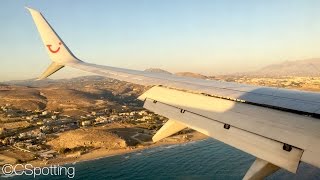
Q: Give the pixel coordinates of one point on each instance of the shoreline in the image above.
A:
(134, 150)
(103, 153)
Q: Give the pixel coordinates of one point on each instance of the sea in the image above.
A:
(205, 159)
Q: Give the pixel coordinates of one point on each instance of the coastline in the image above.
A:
(104, 153)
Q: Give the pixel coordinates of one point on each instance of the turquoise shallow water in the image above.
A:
(206, 159)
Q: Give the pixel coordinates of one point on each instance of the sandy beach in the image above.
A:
(102, 152)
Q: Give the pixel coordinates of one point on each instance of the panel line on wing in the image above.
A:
(255, 144)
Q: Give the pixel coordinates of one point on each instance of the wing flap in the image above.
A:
(299, 131)
(256, 145)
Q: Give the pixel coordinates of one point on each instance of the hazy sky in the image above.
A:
(208, 37)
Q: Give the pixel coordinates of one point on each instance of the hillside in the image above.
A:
(75, 96)
(192, 75)
(157, 70)
(22, 97)
(182, 74)
(97, 137)
(308, 67)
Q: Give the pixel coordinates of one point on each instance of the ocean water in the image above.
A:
(206, 159)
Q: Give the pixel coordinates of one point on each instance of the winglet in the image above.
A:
(58, 52)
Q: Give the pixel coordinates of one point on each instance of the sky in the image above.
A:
(209, 37)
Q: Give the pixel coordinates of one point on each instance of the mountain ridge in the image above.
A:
(306, 67)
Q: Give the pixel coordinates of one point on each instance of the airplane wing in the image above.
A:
(279, 127)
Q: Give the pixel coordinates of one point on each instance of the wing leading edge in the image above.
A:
(264, 122)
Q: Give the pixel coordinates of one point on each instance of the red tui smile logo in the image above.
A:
(53, 51)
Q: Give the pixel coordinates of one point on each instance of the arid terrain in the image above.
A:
(62, 121)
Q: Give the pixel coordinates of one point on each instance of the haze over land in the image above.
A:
(307, 67)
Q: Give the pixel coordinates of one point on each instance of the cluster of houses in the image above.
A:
(98, 118)
(33, 138)
(294, 82)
